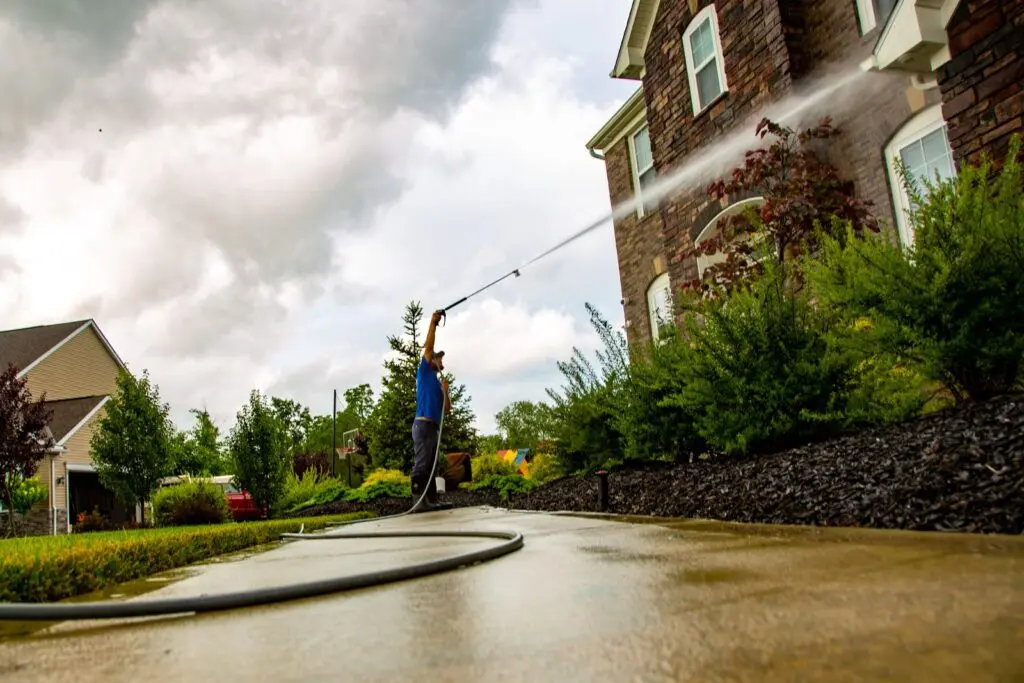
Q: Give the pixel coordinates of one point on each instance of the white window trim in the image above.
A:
(866, 13)
(660, 284)
(925, 122)
(704, 262)
(708, 12)
(636, 170)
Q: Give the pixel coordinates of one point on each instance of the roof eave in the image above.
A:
(613, 128)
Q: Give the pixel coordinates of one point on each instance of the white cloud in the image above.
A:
(270, 189)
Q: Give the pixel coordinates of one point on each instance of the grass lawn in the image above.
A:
(50, 568)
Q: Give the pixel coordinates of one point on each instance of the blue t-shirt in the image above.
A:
(429, 396)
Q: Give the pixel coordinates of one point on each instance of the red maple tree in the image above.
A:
(23, 439)
(800, 192)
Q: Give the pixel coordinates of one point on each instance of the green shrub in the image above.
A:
(51, 568)
(381, 483)
(29, 492)
(545, 468)
(505, 484)
(955, 299)
(764, 369)
(491, 464)
(312, 488)
(190, 503)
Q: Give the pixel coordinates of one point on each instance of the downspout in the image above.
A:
(53, 498)
(596, 154)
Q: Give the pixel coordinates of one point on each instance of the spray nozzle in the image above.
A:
(516, 271)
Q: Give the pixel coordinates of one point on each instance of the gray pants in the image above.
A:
(424, 440)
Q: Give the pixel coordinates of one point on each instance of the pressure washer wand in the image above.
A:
(444, 311)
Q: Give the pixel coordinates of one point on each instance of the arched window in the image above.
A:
(711, 230)
(705, 63)
(923, 146)
(659, 305)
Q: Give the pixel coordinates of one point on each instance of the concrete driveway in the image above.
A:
(587, 599)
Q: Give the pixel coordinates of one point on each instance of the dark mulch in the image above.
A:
(960, 469)
(392, 506)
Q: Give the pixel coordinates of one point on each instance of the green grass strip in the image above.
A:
(51, 568)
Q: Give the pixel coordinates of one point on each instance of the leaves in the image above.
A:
(132, 446)
(259, 451)
(23, 439)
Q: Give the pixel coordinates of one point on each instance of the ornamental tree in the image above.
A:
(801, 191)
(23, 437)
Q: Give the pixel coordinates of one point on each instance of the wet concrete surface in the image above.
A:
(587, 599)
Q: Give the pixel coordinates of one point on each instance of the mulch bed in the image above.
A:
(956, 470)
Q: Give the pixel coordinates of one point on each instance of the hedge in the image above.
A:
(51, 568)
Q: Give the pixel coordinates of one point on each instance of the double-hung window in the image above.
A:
(705, 64)
(644, 173)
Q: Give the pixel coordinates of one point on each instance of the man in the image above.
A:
(431, 399)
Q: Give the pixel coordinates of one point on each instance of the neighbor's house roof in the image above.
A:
(69, 415)
(29, 346)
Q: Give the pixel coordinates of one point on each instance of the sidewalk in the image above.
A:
(587, 599)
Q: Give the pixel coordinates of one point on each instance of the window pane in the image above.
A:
(937, 154)
(642, 145)
(913, 157)
(702, 44)
(708, 85)
(883, 8)
(646, 179)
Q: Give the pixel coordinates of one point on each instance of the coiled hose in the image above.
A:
(112, 609)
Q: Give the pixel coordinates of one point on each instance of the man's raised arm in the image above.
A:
(428, 348)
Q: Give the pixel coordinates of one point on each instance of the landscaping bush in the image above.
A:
(761, 369)
(954, 301)
(27, 493)
(312, 488)
(46, 569)
(190, 503)
(545, 468)
(490, 464)
(381, 483)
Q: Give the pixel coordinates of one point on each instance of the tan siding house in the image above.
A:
(73, 369)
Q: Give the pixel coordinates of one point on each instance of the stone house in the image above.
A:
(949, 85)
(74, 365)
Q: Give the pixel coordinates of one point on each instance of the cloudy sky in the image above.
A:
(245, 194)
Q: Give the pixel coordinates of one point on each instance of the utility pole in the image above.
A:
(334, 433)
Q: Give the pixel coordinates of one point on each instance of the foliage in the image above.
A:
(587, 416)
(381, 483)
(654, 426)
(29, 492)
(761, 369)
(199, 452)
(52, 568)
(132, 445)
(190, 503)
(490, 443)
(954, 301)
(295, 421)
(23, 440)
(801, 192)
(490, 464)
(388, 429)
(309, 489)
(504, 484)
(545, 468)
(322, 432)
(359, 402)
(320, 463)
(258, 448)
(525, 424)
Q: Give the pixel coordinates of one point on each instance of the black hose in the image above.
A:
(112, 609)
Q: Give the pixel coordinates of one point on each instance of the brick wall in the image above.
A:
(638, 242)
(983, 83)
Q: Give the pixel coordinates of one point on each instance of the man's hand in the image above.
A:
(436, 318)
